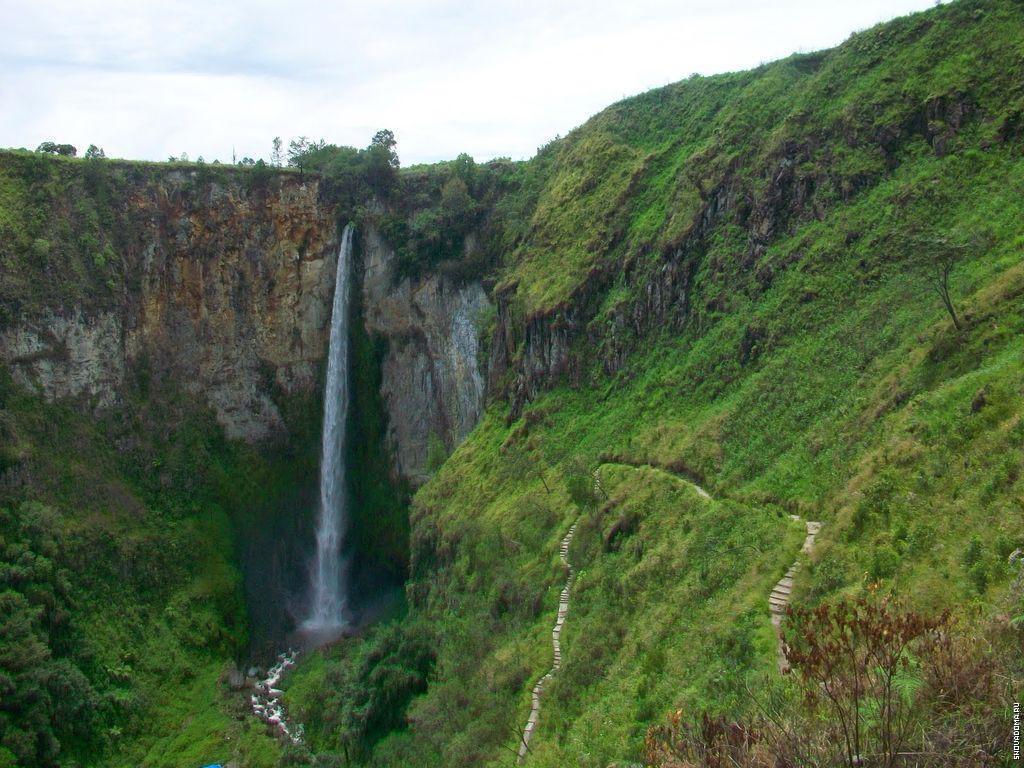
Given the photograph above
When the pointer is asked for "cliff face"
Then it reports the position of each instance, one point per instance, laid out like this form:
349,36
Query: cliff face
223,286
433,381
763,197
225,290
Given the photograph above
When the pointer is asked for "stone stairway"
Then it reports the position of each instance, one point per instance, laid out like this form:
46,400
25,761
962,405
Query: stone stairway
556,636
778,600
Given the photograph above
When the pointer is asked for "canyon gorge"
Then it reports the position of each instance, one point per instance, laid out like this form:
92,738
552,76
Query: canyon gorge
305,464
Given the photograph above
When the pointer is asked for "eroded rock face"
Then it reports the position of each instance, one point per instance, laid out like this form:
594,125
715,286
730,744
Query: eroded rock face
72,357
433,380
227,292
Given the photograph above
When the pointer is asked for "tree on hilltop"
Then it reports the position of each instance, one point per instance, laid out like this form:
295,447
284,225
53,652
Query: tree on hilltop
382,162
51,148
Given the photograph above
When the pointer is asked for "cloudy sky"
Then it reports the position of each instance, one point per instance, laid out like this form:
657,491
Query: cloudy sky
493,78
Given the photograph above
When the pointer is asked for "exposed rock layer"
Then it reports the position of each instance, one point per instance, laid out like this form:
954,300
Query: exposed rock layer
226,290
433,382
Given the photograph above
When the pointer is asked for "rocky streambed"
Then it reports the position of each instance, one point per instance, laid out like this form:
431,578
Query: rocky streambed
266,700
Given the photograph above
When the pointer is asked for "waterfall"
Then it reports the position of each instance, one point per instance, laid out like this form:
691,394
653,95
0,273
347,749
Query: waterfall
328,588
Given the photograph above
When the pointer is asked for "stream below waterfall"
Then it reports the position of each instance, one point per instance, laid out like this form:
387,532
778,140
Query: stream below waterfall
266,700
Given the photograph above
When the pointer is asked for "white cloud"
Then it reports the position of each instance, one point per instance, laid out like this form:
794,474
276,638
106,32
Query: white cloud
146,80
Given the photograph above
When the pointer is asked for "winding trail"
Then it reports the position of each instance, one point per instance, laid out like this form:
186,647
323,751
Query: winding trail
778,600
556,634
686,477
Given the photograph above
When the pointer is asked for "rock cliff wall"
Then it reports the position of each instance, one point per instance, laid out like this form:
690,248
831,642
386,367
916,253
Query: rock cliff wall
223,286
433,381
225,290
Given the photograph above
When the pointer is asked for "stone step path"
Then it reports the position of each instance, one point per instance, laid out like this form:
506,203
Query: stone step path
556,635
778,600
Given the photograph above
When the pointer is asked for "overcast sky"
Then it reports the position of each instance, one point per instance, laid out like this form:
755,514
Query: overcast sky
493,78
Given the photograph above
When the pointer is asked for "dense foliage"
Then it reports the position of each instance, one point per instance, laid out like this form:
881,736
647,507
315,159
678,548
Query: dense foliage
363,689
842,342
800,287
47,703
121,604
350,176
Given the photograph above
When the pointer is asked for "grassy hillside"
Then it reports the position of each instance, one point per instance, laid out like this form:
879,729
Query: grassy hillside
633,180
809,368
797,290
123,606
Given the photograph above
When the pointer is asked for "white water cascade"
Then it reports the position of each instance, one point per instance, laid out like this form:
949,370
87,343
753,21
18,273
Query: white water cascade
326,619
328,588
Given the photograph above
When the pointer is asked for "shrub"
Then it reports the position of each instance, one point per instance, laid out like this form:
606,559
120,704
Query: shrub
878,685
853,657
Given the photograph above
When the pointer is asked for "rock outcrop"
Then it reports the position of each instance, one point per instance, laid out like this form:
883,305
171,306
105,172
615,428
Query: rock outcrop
433,381
223,286
226,291
71,356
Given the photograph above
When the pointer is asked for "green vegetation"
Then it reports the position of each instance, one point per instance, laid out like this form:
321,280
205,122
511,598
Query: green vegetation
48,703
800,287
359,692
122,606
350,176
805,361
630,182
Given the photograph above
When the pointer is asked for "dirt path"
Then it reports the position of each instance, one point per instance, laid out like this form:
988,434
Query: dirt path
683,477
778,600
556,634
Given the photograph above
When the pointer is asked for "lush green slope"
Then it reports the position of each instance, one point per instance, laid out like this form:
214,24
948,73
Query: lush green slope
808,367
133,603
636,178
728,281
